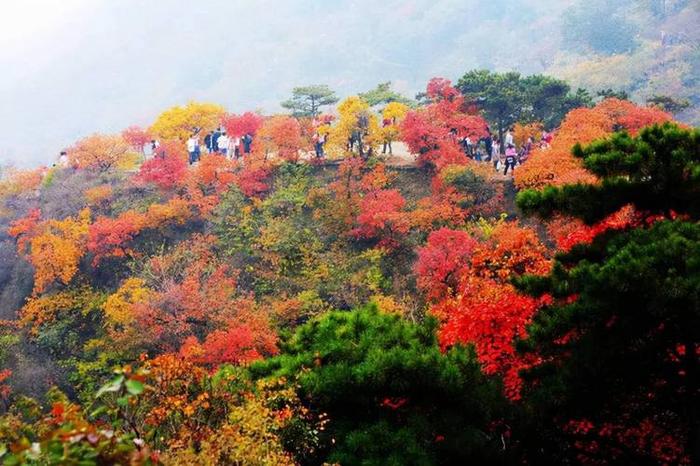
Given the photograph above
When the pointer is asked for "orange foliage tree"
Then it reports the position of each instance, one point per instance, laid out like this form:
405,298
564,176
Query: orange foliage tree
111,237
54,247
484,309
15,182
345,194
208,180
187,300
556,165
279,136
98,152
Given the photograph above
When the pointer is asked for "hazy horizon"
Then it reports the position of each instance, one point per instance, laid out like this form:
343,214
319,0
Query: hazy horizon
78,67
83,67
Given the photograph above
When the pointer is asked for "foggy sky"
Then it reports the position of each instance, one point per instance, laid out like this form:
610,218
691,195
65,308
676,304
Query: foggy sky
74,67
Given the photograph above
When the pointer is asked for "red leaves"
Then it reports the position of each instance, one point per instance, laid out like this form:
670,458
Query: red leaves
109,236
442,261
394,403
136,137
612,440
489,315
24,228
381,217
240,125
168,167
252,180
57,411
475,301
208,180
441,89
568,232
238,344
5,389
432,132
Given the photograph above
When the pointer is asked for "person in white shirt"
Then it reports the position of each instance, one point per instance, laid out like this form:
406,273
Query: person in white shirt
192,148
509,139
63,159
223,143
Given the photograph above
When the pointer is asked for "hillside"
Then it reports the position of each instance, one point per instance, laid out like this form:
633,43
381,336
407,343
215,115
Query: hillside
298,296
644,48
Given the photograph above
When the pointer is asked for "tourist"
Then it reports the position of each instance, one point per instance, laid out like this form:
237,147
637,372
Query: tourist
510,159
209,142
509,139
236,144
193,148
222,143
496,154
215,140
488,145
247,143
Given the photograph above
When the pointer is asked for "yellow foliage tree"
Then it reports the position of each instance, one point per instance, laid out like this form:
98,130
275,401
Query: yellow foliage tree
39,310
522,132
56,250
99,152
178,123
98,194
395,111
392,114
249,435
357,124
118,307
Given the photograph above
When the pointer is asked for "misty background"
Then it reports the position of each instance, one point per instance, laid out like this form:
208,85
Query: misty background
75,67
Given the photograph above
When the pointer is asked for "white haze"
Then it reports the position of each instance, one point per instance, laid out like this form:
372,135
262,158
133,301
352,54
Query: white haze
74,67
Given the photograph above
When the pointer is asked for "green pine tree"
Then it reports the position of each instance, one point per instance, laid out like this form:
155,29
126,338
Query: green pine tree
392,397
625,350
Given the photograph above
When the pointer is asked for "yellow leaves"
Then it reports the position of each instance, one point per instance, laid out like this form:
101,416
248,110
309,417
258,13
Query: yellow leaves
55,258
129,162
98,194
248,436
388,305
522,132
355,119
42,309
98,152
176,210
118,308
395,111
178,123
57,248
352,106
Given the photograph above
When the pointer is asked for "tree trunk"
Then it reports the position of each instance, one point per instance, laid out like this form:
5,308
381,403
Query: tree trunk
500,135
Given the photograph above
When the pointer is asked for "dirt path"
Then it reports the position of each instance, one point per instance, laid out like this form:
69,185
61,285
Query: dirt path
401,157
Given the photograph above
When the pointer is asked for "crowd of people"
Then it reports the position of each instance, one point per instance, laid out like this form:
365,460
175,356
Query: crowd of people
218,142
503,157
